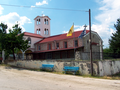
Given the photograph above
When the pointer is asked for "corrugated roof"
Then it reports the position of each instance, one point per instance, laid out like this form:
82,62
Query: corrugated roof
32,35
60,37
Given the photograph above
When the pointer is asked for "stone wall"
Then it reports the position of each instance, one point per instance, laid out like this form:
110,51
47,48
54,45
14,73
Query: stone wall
100,68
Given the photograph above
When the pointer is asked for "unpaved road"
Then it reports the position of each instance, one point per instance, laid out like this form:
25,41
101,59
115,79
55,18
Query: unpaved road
19,79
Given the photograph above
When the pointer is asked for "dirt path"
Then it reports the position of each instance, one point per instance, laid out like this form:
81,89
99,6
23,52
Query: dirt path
15,79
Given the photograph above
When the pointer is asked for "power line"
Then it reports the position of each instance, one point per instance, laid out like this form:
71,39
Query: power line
43,8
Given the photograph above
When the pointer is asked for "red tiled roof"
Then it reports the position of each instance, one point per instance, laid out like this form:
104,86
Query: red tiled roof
32,35
41,17
60,37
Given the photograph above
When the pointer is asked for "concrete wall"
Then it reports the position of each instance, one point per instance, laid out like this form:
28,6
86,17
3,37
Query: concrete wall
84,67
108,67
100,68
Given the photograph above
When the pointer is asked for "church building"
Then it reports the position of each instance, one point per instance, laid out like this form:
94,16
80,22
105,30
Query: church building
44,46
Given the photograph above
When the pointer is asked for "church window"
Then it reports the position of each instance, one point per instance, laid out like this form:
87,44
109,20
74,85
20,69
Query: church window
49,46
39,47
76,43
65,44
57,45
29,40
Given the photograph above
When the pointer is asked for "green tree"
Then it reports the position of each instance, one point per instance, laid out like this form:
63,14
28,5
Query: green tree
106,50
14,41
3,29
114,42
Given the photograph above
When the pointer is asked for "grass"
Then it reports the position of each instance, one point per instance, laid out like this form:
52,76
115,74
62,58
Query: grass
112,77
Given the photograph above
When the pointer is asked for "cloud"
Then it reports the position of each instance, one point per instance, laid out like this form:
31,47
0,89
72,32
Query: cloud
78,28
12,18
32,6
107,18
41,3
1,9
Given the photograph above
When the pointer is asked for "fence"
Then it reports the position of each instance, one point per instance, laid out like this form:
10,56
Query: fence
68,56
111,55
95,56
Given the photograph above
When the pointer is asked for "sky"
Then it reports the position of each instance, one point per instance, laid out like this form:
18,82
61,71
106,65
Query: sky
104,14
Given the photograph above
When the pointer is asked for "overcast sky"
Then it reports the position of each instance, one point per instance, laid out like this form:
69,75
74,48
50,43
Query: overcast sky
104,14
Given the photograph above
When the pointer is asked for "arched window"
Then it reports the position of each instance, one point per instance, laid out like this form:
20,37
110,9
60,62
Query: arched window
39,31
29,40
45,31
44,21
47,21
39,21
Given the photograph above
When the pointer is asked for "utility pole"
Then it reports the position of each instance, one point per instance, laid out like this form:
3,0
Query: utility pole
90,40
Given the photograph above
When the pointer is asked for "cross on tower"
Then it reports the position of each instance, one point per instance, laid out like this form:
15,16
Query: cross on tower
85,26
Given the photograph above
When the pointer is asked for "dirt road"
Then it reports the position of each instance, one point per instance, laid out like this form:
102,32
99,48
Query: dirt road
19,79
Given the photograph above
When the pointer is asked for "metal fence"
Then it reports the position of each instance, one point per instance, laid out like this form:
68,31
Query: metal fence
68,56
111,55
95,56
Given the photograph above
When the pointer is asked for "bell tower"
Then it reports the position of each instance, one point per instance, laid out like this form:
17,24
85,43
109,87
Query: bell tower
42,26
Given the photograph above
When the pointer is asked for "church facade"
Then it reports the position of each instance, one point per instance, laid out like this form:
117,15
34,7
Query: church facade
43,46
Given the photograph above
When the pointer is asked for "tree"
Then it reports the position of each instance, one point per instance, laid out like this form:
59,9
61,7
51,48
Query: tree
114,42
3,28
106,50
14,41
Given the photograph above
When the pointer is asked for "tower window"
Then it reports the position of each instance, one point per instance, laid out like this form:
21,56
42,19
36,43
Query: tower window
39,21
45,31
47,21
44,21
39,31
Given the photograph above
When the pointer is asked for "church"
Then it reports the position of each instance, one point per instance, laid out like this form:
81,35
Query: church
44,46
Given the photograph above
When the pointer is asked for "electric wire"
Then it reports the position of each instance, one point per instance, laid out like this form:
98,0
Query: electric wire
44,8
